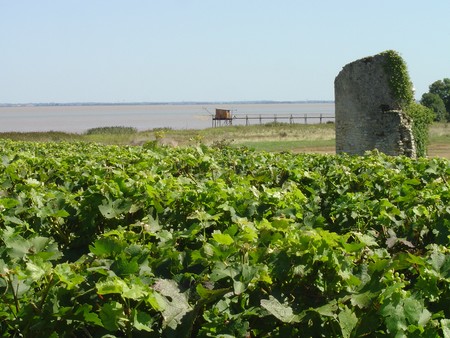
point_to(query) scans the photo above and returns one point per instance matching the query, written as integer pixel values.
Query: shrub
(111, 130)
(422, 118)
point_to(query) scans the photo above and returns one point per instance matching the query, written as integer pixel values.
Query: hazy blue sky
(208, 50)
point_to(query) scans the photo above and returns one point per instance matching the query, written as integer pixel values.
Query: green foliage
(442, 89)
(111, 130)
(159, 135)
(402, 89)
(399, 81)
(221, 242)
(438, 99)
(435, 103)
(422, 118)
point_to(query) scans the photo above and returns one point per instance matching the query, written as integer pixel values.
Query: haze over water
(79, 118)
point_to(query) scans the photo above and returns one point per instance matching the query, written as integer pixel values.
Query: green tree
(436, 104)
(442, 89)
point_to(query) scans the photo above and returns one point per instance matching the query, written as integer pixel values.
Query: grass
(439, 140)
(50, 136)
(297, 138)
(304, 146)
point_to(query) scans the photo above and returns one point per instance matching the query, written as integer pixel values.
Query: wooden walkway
(291, 119)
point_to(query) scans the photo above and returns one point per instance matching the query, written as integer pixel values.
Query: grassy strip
(304, 146)
(230, 134)
(313, 138)
(49, 136)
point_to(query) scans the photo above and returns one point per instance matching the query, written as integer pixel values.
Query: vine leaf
(173, 303)
(113, 209)
(281, 311)
(347, 321)
(142, 321)
(445, 323)
(111, 315)
(223, 239)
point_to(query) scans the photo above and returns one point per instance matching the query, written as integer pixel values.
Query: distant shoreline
(80, 104)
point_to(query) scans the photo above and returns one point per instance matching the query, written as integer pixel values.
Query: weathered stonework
(368, 117)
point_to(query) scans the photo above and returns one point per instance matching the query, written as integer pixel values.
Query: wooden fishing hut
(222, 117)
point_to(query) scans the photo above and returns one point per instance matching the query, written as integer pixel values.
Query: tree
(442, 88)
(435, 103)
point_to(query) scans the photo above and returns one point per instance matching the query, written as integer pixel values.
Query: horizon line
(100, 103)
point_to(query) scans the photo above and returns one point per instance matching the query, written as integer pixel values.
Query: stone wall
(368, 117)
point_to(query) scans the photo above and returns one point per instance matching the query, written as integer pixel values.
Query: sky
(209, 50)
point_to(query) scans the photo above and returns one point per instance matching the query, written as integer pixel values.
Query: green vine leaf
(281, 311)
(347, 321)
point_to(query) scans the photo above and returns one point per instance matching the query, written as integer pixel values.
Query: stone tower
(368, 116)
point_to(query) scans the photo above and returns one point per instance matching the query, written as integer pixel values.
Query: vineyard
(154, 241)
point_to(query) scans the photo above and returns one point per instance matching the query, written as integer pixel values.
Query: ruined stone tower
(368, 115)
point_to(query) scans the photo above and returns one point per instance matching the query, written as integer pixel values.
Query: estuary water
(80, 118)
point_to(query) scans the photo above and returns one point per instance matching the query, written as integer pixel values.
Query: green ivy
(402, 89)
(399, 81)
(422, 118)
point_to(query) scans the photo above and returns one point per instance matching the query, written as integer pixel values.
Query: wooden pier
(227, 119)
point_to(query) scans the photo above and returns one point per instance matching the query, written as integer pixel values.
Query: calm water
(143, 117)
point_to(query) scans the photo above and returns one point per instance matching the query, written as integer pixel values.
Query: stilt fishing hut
(222, 117)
